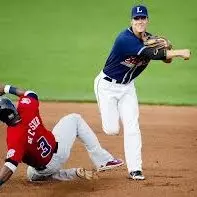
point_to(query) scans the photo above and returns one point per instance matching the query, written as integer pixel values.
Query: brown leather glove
(157, 42)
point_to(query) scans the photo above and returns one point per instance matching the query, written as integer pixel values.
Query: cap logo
(138, 10)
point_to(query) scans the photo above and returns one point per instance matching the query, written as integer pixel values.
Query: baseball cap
(139, 10)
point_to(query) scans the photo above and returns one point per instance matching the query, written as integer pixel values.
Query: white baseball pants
(65, 132)
(119, 101)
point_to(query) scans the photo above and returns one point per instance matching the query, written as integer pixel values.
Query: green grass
(58, 47)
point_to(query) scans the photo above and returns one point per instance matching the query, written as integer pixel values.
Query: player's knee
(74, 115)
(111, 131)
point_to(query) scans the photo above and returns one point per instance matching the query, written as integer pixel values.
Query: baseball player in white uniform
(114, 86)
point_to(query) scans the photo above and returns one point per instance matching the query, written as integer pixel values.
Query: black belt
(44, 167)
(110, 80)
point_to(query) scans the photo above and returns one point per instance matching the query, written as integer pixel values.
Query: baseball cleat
(86, 174)
(110, 165)
(136, 175)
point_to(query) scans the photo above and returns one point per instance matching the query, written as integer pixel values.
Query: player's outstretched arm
(183, 53)
(5, 174)
(170, 54)
(11, 90)
(164, 54)
(160, 48)
(8, 89)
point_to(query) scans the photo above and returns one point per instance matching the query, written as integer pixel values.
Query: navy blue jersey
(124, 62)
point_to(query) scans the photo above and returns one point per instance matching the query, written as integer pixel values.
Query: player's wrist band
(1, 182)
(8, 89)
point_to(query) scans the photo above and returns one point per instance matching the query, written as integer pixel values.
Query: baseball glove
(157, 42)
(86, 174)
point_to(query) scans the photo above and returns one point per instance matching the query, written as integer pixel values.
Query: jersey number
(44, 146)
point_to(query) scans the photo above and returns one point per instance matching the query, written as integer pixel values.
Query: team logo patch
(138, 10)
(135, 61)
(10, 153)
(25, 101)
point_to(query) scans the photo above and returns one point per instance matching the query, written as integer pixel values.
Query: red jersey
(29, 141)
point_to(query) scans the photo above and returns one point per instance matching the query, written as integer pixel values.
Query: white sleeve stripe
(28, 92)
(141, 50)
(10, 166)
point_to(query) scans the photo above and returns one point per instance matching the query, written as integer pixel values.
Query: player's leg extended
(108, 106)
(61, 174)
(74, 125)
(65, 132)
(73, 173)
(99, 156)
(129, 113)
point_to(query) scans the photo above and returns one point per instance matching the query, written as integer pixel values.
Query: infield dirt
(169, 136)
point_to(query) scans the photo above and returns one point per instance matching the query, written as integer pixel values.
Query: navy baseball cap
(139, 10)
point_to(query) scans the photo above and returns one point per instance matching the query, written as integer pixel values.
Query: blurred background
(57, 47)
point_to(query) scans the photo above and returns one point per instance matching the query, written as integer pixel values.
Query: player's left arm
(8, 89)
(168, 61)
(5, 174)
(157, 42)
